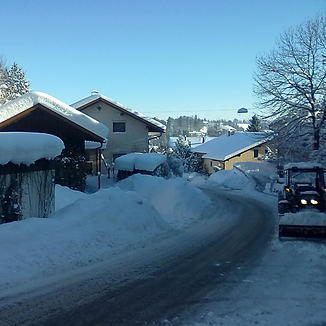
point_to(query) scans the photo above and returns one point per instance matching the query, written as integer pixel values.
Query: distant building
(192, 141)
(223, 151)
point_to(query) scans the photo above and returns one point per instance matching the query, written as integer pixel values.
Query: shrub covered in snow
(182, 159)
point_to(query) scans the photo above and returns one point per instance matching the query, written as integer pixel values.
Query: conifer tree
(254, 124)
(13, 83)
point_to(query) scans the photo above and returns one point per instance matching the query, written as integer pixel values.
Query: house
(223, 151)
(129, 131)
(27, 174)
(40, 112)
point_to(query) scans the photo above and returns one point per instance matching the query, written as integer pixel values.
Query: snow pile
(84, 232)
(177, 201)
(196, 179)
(28, 100)
(26, 147)
(233, 179)
(65, 196)
(263, 173)
(139, 161)
(90, 228)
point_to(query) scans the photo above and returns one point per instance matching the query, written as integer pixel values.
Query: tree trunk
(316, 139)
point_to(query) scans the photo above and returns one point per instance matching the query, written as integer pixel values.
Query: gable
(25, 104)
(40, 119)
(94, 101)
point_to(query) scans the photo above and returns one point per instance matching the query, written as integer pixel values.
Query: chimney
(95, 92)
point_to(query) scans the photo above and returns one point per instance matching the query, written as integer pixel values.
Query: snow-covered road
(149, 283)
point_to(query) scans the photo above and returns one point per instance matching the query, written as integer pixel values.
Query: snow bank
(84, 232)
(26, 147)
(90, 228)
(233, 179)
(263, 173)
(28, 100)
(177, 201)
(65, 196)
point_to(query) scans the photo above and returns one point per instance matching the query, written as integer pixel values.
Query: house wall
(134, 139)
(247, 156)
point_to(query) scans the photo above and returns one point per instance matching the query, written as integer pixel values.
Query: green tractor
(303, 192)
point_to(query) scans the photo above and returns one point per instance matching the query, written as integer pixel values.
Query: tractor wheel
(283, 208)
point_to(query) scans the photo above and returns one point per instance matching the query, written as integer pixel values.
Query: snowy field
(286, 287)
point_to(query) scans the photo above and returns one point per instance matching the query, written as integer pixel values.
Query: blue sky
(161, 57)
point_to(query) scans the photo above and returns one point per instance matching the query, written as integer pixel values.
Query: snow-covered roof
(27, 147)
(29, 100)
(126, 162)
(192, 141)
(244, 126)
(149, 161)
(97, 96)
(227, 128)
(303, 165)
(139, 161)
(226, 146)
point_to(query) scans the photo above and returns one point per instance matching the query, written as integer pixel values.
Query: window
(119, 127)
(255, 152)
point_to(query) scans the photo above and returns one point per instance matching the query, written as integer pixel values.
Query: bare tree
(290, 82)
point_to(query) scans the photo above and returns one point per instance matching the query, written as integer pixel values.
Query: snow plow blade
(302, 231)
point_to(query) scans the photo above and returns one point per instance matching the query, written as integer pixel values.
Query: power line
(176, 111)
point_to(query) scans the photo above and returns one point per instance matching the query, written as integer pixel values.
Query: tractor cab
(304, 187)
(303, 191)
